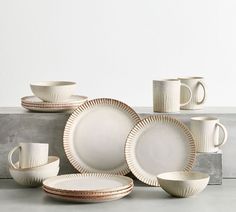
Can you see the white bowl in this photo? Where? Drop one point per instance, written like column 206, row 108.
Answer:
column 183, row 184
column 53, row 161
column 35, row 176
column 53, row 91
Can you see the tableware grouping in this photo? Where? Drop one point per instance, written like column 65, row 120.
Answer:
column 105, row 139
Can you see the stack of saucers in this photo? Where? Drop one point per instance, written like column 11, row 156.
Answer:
column 53, row 96
column 91, row 187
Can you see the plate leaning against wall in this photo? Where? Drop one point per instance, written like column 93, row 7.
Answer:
column 35, row 104
column 159, row 144
column 95, row 136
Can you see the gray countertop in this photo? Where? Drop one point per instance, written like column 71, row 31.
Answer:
column 143, row 198
column 140, row 110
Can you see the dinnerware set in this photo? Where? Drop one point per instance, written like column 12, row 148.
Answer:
column 53, row 96
column 171, row 95
column 34, row 164
column 105, row 139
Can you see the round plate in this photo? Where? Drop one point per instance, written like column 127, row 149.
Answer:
column 84, row 194
column 159, row 144
column 89, row 199
column 88, row 184
column 33, row 100
column 95, row 136
column 35, row 104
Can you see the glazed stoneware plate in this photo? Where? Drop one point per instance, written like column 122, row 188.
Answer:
column 35, row 104
column 95, row 136
column 86, row 194
column 88, row 199
column 159, row 144
column 90, row 184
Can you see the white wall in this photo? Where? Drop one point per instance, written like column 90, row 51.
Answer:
column 115, row 48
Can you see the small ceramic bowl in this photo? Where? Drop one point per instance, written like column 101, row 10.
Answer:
column 33, row 177
column 53, row 161
column 183, row 184
column 53, row 91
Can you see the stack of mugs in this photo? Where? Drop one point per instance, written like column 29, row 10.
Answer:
column 34, row 164
column 189, row 93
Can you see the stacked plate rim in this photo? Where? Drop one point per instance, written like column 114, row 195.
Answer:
column 91, row 187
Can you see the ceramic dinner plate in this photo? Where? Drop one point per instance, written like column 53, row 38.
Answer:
column 91, row 184
column 35, row 104
column 159, row 144
column 95, row 136
column 88, row 199
column 87, row 194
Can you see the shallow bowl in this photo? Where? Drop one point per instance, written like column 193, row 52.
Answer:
column 183, row 184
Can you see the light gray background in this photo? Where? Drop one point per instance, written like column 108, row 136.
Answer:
column 115, row 48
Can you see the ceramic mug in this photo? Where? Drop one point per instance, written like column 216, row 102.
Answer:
column 30, row 155
column 166, row 95
column 198, row 89
column 206, row 133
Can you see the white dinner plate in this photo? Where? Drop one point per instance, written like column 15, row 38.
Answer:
column 159, row 144
column 88, row 184
column 95, row 136
column 35, row 104
column 91, row 199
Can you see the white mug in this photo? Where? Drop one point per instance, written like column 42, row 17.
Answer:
column 206, row 133
column 198, row 89
column 30, row 155
column 166, row 95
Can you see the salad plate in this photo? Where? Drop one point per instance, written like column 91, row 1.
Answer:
column 90, row 184
column 159, row 144
column 35, row 104
column 95, row 136
column 88, row 199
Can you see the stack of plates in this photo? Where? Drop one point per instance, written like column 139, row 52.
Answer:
column 35, row 104
column 91, row 187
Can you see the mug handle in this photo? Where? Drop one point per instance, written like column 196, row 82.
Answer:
column 225, row 134
column 204, row 90
column 10, row 156
column 190, row 92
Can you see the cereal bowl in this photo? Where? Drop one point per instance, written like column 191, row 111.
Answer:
column 183, row 184
column 53, row 91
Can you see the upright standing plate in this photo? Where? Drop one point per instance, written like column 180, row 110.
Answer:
column 95, row 136
column 159, row 144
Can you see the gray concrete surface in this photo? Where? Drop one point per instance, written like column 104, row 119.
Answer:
column 143, row 198
column 18, row 125
column 210, row 163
